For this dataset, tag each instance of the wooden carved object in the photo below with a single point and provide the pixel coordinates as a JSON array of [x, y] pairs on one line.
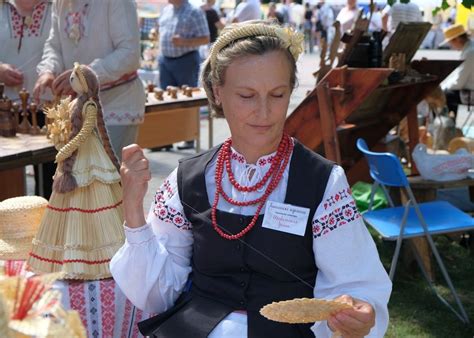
[[16, 114], [150, 87], [188, 91], [25, 125], [174, 93], [7, 121], [158, 94], [35, 130]]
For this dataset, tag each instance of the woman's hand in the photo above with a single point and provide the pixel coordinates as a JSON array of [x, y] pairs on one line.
[[44, 81], [61, 85], [355, 322], [135, 175], [10, 75]]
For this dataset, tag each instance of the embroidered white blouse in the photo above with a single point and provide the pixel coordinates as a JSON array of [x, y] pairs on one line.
[[105, 36], [158, 254], [22, 44]]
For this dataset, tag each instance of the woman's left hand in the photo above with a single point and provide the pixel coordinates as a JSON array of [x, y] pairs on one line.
[[355, 322], [61, 85]]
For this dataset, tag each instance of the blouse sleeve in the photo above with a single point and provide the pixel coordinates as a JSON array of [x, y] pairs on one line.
[[346, 255], [157, 254], [52, 60], [463, 73], [125, 35]]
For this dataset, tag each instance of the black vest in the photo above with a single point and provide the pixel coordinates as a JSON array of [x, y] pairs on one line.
[[262, 266]]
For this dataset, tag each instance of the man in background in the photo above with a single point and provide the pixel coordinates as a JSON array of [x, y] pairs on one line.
[[400, 12], [348, 15], [247, 10], [183, 29]]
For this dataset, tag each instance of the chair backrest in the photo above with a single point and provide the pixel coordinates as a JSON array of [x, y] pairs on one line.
[[385, 168]]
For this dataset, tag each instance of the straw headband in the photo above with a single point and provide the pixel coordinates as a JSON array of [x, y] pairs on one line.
[[292, 40], [80, 76]]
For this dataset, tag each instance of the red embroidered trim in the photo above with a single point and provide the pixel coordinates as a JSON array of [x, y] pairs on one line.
[[88, 211], [261, 162], [34, 29], [66, 261], [335, 219], [123, 79], [337, 197]]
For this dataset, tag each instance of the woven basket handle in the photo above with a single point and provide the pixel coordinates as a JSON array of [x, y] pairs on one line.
[[90, 108]]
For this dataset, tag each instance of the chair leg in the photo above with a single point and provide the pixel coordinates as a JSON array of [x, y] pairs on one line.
[[448, 280], [463, 315], [393, 265]]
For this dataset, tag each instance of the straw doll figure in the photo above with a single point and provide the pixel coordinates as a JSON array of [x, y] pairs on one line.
[[82, 227]]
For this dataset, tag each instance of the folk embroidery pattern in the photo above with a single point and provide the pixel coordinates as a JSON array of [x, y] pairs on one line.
[[335, 219], [165, 212]]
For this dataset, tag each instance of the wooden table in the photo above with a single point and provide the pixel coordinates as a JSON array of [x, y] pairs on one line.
[[17, 152], [173, 120], [426, 191]]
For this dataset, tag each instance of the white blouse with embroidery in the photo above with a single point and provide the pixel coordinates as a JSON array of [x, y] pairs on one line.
[[21, 42], [105, 36], [158, 254]]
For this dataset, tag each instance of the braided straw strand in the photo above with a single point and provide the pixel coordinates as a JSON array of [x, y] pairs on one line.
[[81, 77], [292, 40], [91, 117]]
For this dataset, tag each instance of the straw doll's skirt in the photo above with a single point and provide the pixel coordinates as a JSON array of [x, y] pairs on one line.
[[81, 230]]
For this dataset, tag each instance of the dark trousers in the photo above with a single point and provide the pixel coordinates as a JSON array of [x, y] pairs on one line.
[[183, 70], [453, 99]]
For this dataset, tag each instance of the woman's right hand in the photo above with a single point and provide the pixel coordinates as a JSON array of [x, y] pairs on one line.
[[135, 175], [10, 75]]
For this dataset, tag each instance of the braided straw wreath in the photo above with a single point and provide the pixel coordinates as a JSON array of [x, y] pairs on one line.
[[292, 40]]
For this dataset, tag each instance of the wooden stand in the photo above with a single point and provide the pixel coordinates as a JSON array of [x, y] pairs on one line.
[[360, 106], [169, 126], [15, 154], [321, 117], [169, 120]]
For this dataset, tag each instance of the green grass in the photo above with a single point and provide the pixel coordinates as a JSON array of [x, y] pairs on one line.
[[415, 311]]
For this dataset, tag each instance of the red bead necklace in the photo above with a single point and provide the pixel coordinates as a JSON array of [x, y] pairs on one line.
[[275, 173]]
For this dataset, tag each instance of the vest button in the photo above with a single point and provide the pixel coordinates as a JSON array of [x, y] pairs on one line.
[[238, 246], [242, 269], [241, 302], [242, 284], [241, 220]]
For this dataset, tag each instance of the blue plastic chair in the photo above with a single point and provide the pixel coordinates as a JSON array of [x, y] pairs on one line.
[[413, 219]]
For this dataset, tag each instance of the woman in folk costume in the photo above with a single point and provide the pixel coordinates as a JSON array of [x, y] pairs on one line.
[[82, 226], [255, 220]]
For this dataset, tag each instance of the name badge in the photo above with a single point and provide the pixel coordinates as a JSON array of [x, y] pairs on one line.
[[285, 217]]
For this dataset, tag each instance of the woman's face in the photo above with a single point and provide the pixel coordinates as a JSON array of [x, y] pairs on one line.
[[255, 97]]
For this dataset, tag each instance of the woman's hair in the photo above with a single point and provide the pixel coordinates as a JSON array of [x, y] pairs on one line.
[[66, 182], [246, 46]]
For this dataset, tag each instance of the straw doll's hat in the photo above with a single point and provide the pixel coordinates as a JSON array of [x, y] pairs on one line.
[[453, 32], [19, 221]]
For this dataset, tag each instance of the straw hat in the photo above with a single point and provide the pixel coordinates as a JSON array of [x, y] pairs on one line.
[[452, 32], [20, 218]]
